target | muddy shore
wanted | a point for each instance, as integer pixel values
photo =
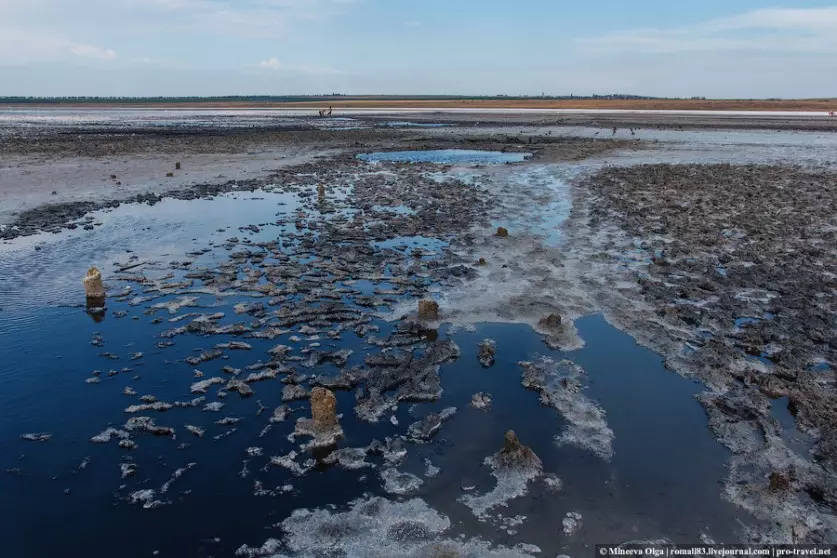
(52, 177)
(736, 267)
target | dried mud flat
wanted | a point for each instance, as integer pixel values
(316, 328)
(50, 177)
(734, 272)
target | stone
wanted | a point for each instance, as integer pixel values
(321, 191)
(486, 353)
(323, 408)
(323, 425)
(502, 232)
(571, 523)
(177, 166)
(94, 289)
(514, 467)
(428, 309)
(552, 321)
(515, 455)
(481, 401)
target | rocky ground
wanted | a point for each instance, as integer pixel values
(735, 270)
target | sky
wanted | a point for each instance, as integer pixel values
(710, 48)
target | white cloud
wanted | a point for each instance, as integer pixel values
(786, 30)
(275, 64)
(22, 47)
(90, 51)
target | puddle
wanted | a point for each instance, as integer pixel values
(162, 233)
(406, 124)
(798, 441)
(446, 157)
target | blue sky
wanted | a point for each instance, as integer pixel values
(714, 48)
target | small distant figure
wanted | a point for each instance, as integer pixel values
(322, 112)
(832, 114)
(614, 130)
(329, 111)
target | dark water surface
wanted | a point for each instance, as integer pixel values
(663, 480)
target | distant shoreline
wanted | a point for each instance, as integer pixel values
(429, 104)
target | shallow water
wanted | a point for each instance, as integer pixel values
(446, 157)
(663, 453)
(406, 124)
(46, 269)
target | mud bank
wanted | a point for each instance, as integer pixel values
(730, 272)
(52, 176)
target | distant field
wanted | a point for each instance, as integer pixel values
(494, 103)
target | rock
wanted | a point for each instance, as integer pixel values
(514, 467)
(321, 191)
(323, 425)
(289, 463)
(323, 408)
(560, 387)
(779, 481)
(146, 424)
(396, 482)
(39, 437)
(295, 393)
(482, 262)
(481, 401)
(502, 232)
(280, 413)
(515, 455)
(552, 321)
(349, 458)
(94, 289)
(571, 523)
(177, 166)
(428, 309)
(553, 483)
(430, 470)
(128, 469)
(196, 430)
(243, 389)
(425, 429)
(169, 174)
(486, 353)
(203, 385)
(105, 436)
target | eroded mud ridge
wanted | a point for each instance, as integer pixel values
(737, 268)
